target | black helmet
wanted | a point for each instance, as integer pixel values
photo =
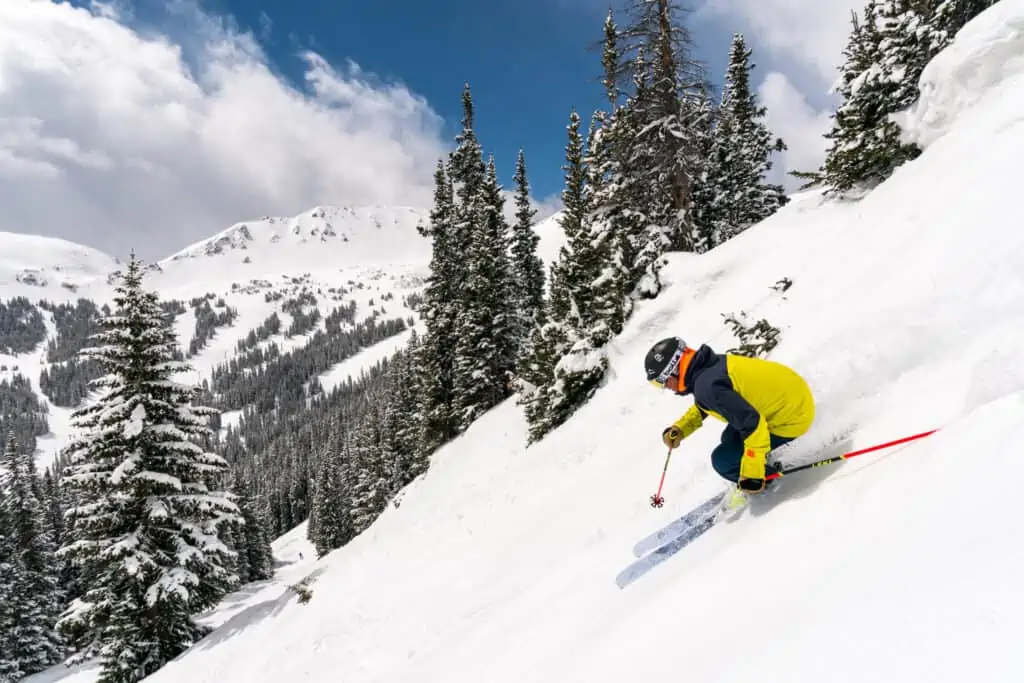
(663, 359)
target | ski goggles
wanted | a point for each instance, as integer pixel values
(669, 379)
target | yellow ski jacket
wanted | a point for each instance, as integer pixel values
(755, 397)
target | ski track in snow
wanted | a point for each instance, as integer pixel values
(905, 315)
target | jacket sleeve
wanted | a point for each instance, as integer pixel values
(742, 417)
(691, 421)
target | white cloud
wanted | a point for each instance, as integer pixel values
(803, 41)
(120, 139)
(545, 208)
(799, 124)
(809, 32)
(548, 207)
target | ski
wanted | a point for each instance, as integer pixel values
(677, 527)
(651, 560)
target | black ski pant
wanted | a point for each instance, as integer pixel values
(727, 455)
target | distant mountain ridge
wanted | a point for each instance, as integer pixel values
(270, 284)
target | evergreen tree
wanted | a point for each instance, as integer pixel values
(846, 163)
(527, 267)
(470, 347)
(468, 172)
(486, 344)
(253, 548)
(706, 200)
(54, 508)
(624, 239)
(951, 15)
(329, 521)
(148, 518)
(564, 367)
(740, 158)
(408, 382)
(657, 52)
(611, 61)
(368, 473)
(569, 273)
(10, 580)
(439, 315)
(885, 56)
(32, 643)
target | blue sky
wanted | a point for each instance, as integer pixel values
(171, 120)
(528, 62)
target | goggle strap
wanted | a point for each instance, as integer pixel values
(671, 367)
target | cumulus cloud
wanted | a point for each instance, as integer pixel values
(798, 123)
(810, 32)
(545, 208)
(122, 138)
(803, 41)
(548, 207)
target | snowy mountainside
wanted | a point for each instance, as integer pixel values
(552, 237)
(323, 237)
(36, 266)
(904, 314)
(298, 270)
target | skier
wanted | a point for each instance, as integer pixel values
(763, 403)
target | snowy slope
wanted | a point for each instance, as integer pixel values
(905, 314)
(47, 267)
(373, 256)
(552, 237)
(321, 239)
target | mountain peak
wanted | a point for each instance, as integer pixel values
(32, 262)
(337, 235)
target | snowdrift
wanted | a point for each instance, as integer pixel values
(906, 313)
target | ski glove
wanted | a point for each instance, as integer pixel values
(752, 471)
(672, 436)
(690, 422)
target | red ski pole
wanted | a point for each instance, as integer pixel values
(656, 500)
(851, 454)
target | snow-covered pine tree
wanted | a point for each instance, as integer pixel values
(885, 57)
(611, 61)
(702, 114)
(416, 458)
(409, 459)
(368, 472)
(437, 354)
(549, 340)
(616, 218)
(527, 267)
(564, 359)
(254, 552)
(10, 578)
(951, 15)
(54, 508)
(298, 474)
(565, 276)
(32, 643)
(60, 504)
(486, 345)
(330, 520)
(740, 157)
(613, 237)
(855, 120)
(657, 51)
(627, 202)
(147, 519)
